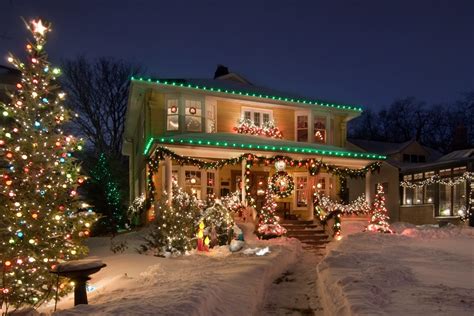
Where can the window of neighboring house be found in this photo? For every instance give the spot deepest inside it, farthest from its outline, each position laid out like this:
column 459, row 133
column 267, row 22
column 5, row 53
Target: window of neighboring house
column 413, row 158
column 302, row 128
column 193, row 116
column 421, row 158
column 320, row 129
column 211, row 118
column 444, row 200
column 258, row 117
column 192, row 182
column 459, row 170
column 301, row 191
column 173, row 115
column 445, row 173
column 418, row 191
column 211, row 183
column 429, row 194
column 459, row 199
column 406, row 158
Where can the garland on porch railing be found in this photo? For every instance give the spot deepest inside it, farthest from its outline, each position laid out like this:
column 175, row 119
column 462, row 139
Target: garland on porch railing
column 314, row 165
column 325, row 209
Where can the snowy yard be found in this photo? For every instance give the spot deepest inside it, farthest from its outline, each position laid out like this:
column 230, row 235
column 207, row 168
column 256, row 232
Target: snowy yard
column 218, row 283
column 420, row 270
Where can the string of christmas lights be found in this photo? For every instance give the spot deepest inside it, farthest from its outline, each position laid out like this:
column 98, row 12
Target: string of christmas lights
column 268, row 225
column 466, row 176
column 378, row 218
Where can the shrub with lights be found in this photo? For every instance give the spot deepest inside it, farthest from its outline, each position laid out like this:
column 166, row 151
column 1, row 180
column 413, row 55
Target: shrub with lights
column 268, row 225
column 217, row 221
column 40, row 221
column 268, row 129
column 175, row 226
column 378, row 216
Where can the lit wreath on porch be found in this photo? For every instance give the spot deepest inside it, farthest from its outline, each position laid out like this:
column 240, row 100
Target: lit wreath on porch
column 281, row 184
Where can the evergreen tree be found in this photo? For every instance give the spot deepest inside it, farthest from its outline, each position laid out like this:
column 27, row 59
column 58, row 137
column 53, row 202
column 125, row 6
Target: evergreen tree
column 175, row 226
column 40, row 223
column 218, row 217
column 103, row 184
column 268, row 225
column 378, row 217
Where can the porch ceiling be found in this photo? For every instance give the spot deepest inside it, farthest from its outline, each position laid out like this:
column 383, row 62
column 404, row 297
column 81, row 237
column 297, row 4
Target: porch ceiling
column 248, row 143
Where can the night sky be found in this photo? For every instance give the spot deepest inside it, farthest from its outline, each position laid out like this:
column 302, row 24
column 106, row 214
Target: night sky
column 358, row 52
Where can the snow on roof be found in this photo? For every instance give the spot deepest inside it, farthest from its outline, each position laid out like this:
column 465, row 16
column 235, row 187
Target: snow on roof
column 385, row 148
column 234, row 140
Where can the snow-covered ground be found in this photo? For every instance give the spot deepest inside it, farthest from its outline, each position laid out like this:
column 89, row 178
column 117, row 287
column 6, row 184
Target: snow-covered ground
column 417, row 271
column 215, row 283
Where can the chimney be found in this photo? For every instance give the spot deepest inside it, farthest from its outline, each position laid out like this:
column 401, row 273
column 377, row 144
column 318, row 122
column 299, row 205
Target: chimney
column 221, row 71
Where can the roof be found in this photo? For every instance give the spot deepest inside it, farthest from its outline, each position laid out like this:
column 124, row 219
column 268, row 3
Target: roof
column 234, row 140
column 458, row 157
column 234, row 87
column 384, row 148
column 9, row 75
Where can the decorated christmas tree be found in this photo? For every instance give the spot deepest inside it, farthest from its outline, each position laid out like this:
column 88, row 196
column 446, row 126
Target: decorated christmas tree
column 40, row 223
column 378, row 215
column 175, row 226
column 268, row 225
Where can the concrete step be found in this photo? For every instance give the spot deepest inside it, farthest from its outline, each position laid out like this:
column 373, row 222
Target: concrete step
column 308, row 237
column 305, row 231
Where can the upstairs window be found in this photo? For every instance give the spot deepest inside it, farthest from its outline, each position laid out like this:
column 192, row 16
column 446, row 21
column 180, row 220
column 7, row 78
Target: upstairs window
column 173, row 115
column 257, row 116
column 211, row 118
column 302, row 128
column 193, row 116
column 320, row 129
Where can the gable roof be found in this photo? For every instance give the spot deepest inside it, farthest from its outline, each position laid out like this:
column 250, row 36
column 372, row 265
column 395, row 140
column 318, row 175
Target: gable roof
column 458, row 155
column 236, row 88
column 385, row 148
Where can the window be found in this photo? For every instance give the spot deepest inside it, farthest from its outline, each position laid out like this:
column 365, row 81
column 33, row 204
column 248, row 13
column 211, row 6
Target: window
column 211, row 118
column 301, row 191
column 429, row 174
column 192, row 182
column 406, row 158
column 444, row 200
column 407, row 177
column 257, row 116
column 421, row 158
column 413, row 158
column 321, row 185
column 429, row 194
column 173, row 115
column 418, row 176
column 320, row 129
column 459, row 170
column 302, row 128
column 193, row 116
column 445, row 173
column 459, row 199
column 211, row 182
column 418, row 195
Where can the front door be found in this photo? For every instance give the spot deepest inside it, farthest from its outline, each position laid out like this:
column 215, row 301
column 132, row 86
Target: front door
column 258, row 185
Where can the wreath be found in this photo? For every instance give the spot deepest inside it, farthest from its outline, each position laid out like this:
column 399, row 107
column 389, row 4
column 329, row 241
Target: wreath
column 281, row 184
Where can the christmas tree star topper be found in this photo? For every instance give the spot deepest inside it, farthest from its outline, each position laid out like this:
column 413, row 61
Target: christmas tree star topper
column 39, row 28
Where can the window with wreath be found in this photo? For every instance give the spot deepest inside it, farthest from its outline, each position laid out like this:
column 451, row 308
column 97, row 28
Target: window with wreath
column 193, row 116
column 173, row 115
column 258, row 117
column 320, row 129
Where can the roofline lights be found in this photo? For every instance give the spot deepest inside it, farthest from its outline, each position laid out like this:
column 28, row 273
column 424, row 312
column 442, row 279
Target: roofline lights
column 249, row 94
column 288, row 149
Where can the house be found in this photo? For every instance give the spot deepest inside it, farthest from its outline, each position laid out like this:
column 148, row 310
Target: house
column 220, row 135
column 9, row 77
column 411, row 178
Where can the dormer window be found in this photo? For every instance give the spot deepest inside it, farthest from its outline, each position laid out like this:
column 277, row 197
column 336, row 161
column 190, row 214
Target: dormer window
column 257, row 116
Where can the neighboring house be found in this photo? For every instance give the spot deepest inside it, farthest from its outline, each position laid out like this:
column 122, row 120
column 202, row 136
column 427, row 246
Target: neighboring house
column 9, row 77
column 196, row 118
column 412, row 162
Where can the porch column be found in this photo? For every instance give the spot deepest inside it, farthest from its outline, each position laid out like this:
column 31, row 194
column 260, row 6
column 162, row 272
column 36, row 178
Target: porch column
column 368, row 186
column 243, row 183
column 168, row 178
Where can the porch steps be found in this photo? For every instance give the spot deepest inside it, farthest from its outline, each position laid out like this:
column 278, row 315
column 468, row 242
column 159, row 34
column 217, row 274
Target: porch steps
column 308, row 232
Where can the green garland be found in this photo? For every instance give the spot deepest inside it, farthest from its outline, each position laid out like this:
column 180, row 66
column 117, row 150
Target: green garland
column 275, row 188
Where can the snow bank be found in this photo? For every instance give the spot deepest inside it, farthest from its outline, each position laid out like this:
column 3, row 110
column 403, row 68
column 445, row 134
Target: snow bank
column 420, row 270
column 214, row 283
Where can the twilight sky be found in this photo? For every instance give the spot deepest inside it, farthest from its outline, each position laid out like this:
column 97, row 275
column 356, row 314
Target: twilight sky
column 358, row 52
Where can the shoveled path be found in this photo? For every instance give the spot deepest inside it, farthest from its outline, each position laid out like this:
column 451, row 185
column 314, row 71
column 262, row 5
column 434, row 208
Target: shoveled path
column 295, row 292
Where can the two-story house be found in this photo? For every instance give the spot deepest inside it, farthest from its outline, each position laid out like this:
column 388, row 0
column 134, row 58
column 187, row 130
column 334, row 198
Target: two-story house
column 197, row 119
